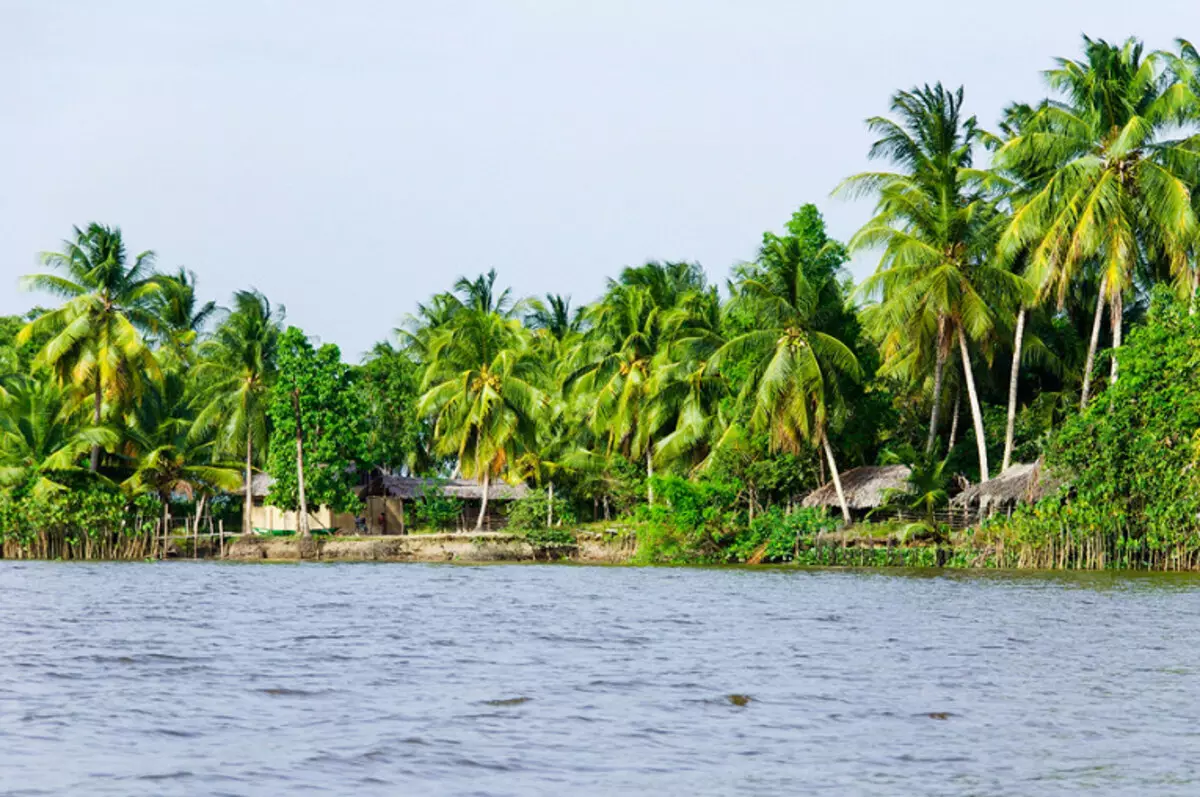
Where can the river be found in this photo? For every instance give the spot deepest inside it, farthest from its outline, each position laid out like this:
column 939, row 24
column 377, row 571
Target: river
column 355, row 679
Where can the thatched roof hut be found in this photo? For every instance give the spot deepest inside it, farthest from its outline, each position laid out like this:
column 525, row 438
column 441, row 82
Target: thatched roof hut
column 1020, row 484
column 410, row 487
column 865, row 488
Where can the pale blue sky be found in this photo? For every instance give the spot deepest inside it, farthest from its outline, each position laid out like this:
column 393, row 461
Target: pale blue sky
column 350, row 158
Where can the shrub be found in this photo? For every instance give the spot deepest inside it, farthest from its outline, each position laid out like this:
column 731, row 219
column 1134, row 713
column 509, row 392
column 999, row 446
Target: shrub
column 529, row 513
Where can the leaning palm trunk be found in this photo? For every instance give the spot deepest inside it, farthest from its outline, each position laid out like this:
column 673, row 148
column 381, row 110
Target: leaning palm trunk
column 483, row 504
column 976, row 414
column 248, row 507
column 954, row 420
column 96, row 411
column 302, row 520
column 837, row 479
column 1010, row 426
column 649, row 476
column 939, row 370
column 1092, row 344
column 1118, row 315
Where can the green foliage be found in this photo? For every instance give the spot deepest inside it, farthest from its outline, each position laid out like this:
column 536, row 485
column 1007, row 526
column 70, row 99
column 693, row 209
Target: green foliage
column 391, row 382
column 779, row 536
column 87, row 511
column 1130, row 455
column 531, row 512
column 314, row 399
column 435, row 509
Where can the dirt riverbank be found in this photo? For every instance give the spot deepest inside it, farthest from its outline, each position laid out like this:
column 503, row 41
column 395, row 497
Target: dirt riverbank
column 464, row 548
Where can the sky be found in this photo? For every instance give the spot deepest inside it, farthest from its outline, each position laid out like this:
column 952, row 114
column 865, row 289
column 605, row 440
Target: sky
column 349, row 159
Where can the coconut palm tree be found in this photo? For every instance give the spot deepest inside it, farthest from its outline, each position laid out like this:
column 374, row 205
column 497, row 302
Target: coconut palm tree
column 611, row 382
column 234, row 375
column 791, row 386
column 96, row 340
column 555, row 316
column 480, row 295
column 937, row 224
column 1118, row 195
column 179, row 315
column 480, row 388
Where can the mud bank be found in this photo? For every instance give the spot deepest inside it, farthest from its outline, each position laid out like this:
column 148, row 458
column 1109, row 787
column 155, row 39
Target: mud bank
column 464, row 548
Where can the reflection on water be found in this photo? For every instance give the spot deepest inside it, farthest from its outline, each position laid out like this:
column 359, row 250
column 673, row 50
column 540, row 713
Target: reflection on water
column 205, row 678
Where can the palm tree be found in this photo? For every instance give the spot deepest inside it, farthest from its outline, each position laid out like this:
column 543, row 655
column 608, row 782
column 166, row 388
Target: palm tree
column 937, row 225
column 236, row 369
column 179, row 315
column 480, row 387
column 555, row 316
column 96, row 341
column 166, row 454
column 1118, row 191
column 480, row 295
column 610, row 384
column 684, row 409
column 791, row 386
column 40, row 444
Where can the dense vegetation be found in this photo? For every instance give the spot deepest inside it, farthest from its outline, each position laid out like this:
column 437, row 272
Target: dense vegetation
column 703, row 414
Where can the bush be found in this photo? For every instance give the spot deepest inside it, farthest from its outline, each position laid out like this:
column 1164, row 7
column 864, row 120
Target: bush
column 436, row 509
column 529, row 513
column 776, row 536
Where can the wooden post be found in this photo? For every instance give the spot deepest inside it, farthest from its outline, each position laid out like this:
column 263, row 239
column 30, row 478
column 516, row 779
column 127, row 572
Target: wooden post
column 221, row 531
column 403, row 531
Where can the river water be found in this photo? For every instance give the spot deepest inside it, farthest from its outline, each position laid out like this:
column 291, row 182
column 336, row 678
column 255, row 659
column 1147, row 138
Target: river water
column 354, row 679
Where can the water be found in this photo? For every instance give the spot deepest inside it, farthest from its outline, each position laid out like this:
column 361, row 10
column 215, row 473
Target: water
column 206, row 678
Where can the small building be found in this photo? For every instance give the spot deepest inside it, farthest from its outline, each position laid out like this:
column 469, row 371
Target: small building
column 383, row 510
column 865, row 488
column 264, row 517
column 387, row 494
column 1020, row 484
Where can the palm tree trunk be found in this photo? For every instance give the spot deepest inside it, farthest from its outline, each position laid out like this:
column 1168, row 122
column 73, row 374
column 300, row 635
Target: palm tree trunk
column 550, row 506
column 1118, row 316
column 98, row 405
column 248, row 508
column 976, row 414
column 837, row 479
column 954, row 420
column 302, row 519
column 1010, row 426
column 487, row 476
column 649, row 476
column 1095, row 341
column 939, row 370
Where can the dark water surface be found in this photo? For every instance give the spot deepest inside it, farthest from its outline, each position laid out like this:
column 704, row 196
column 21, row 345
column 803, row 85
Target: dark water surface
column 205, row 678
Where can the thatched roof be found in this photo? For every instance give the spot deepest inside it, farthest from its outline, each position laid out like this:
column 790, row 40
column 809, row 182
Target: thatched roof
column 410, row 487
column 864, row 487
column 1021, row 483
column 260, row 484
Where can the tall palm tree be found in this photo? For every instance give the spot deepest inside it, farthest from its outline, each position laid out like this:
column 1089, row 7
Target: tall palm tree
column 96, row 340
column 611, row 382
column 792, row 383
column 480, row 388
column 235, row 372
column 937, row 225
column 179, row 315
column 1118, row 194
